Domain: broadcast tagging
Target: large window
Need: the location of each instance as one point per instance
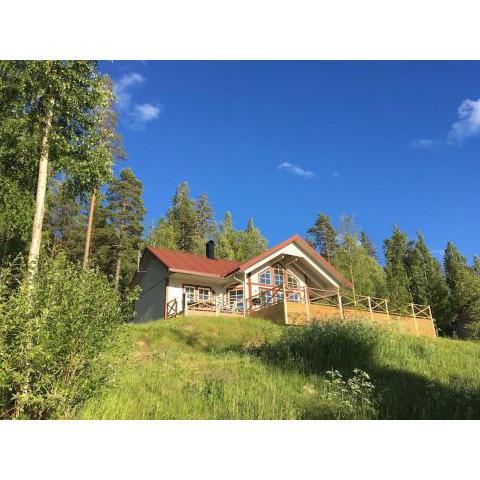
(265, 277)
(193, 294)
(278, 275)
(235, 298)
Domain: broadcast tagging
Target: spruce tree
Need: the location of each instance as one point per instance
(206, 227)
(427, 282)
(396, 276)
(226, 240)
(250, 243)
(126, 212)
(464, 285)
(324, 237)
(182, 216)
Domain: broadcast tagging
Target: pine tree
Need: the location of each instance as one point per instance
(126, 212)
(324, 237)
(113, 143)
(397, 280)
(367, 244)
(182, 216)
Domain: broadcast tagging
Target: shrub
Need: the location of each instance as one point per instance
(53, 339)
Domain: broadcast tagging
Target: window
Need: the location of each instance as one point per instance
(194, 294)
(203, 293)
(266, 296)
(189, 294)
(266, 277)
(235, 298)
(294, 297)
(279, 296)
(278, 275)
(292, 280)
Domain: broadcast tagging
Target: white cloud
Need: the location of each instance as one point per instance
(135, 115)
(437, 252)
(146, 112)
(295, 170)
(121, 89)
(468, 124)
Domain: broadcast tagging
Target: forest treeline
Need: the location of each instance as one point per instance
(410, 273)
(71, 231)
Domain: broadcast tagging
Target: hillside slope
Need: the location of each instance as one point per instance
(221, 368)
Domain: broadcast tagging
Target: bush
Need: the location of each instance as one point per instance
(53, 339)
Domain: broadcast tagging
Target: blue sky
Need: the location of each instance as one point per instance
(389, 142)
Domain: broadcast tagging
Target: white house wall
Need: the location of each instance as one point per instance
(294, 250)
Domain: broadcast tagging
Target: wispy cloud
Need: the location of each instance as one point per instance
(468, 124)
(146, 112)
(136, 115)
(335, 174)
(437, 252)
(424, 143)
(295, 170)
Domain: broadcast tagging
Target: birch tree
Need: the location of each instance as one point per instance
(51, 124)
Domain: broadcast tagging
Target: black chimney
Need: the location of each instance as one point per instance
(211, 249)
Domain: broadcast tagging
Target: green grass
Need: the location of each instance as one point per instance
(224, 368)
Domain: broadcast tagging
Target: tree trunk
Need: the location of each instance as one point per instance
(34, 252)
(89, 229)
(117, 271)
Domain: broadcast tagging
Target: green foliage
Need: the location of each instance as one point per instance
(53, 338)
(367, 244)
(182, 216)
(464, 285)
(190, 223)
(355, 263)
(395, 249)
(324, 237)
(223, 368)
(125, 214)
(427, 283)
(77, 146)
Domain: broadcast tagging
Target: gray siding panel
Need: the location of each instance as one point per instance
(151, 279)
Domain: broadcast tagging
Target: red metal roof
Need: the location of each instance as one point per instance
(182, 262)
(190, 263)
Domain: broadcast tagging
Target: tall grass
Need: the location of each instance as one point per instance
(223, 368)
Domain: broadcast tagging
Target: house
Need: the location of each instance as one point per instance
(288, 284)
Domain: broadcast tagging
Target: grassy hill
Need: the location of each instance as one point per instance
(223, 368)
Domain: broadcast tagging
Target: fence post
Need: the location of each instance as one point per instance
(414, 318)
(185, 304)
(307, 303)
(370, 308)
(340, 306)
(386, 310)
(285, 307)
(217, 307)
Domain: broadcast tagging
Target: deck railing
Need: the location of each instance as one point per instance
(218, 304)
(341, 301)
